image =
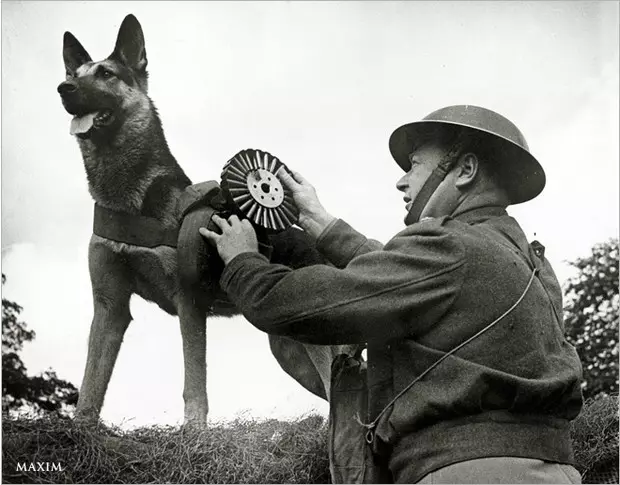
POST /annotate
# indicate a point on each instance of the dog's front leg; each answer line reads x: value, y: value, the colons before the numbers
x: 111, y: 293
x: 106, y: 335
x: 192, y: 317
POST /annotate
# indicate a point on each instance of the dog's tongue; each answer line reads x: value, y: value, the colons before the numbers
x: 82, y: 124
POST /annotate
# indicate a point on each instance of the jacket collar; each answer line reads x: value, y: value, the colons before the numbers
x: 476, y: 215
x: 507, y: 226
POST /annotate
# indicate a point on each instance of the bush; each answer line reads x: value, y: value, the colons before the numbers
x: 592, y: 315
x: 22, y: 393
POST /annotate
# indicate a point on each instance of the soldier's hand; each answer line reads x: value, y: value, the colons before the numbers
x: 313, y: 217
x: 237, y: 237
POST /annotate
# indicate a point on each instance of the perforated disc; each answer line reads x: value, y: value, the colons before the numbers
x: 250, y: 181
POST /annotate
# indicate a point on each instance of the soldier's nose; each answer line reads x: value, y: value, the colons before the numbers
x: 401, y: 185
x: 66, y: 88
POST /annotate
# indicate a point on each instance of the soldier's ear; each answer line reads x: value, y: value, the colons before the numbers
x: 129, y: 47
x: 467, y: 169
x: 73, y: 53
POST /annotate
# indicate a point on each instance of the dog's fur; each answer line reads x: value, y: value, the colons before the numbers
x: 130, y: 169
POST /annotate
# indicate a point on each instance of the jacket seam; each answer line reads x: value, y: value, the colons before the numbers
x: 463, y: 262
x: 233, y: 265
x: 451, y: 268
x: 326, y: 231
x: 355, y: 252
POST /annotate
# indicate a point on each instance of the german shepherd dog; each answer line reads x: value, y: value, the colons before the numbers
x: 130, y: 170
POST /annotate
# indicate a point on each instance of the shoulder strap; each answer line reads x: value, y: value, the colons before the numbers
x: 370, y: 426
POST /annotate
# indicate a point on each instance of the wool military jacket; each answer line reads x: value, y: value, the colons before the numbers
x: 510, y: 392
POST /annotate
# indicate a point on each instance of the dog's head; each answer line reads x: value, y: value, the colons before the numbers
x: 100, y: 95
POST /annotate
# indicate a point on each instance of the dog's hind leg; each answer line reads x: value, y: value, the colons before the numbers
x: 310, y: 365
x: 111, y: 293
x: 192, y: 316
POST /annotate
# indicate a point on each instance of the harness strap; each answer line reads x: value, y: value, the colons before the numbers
x: 133, y: 229
x: 201, y: 195
x: 149, y: 232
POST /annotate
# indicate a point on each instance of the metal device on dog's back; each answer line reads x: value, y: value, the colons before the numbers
x: 131, y: 171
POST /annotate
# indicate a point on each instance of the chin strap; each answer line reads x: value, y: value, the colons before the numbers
x: 431, y: 184
x: 426, y: 193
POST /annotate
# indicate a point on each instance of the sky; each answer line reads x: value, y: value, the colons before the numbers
x: 321, y: 85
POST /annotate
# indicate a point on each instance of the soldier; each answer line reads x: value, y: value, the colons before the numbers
x: 470, y: 378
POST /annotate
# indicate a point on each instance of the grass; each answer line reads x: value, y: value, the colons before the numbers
x: 595, y: 440
x: 242, y: 451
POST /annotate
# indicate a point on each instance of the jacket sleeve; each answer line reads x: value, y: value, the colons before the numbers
x: 381, y: 294
x: 340, y: 243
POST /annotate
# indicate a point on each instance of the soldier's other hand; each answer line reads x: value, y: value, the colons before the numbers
x: 313, y: 217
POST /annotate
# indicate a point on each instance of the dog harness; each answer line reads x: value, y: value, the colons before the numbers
x: 149, y: 232
x: 198, y: 264
x: 197, y: 205
x: 132, y: 229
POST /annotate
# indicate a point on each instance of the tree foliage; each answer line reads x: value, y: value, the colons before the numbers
x: 45, y: 392
x: 591, y: 316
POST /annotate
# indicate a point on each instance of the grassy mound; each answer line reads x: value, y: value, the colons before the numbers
x: 242, y: 451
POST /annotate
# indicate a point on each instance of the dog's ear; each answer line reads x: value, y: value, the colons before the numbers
x: 73, y: 53
x: 129, y: 47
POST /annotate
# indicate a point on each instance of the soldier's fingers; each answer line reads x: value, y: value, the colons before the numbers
x: 300, y: 179
x: 220, y: 222
x: 234, y: 220
x: 288, y: 181
x: 210, y: 236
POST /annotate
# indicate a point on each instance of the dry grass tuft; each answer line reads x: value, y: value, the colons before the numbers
x: 243, y: 451
x: 595, y: 440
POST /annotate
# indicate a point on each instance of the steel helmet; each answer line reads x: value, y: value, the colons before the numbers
x: 522, y: 175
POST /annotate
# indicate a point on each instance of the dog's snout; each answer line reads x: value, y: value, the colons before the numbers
x: 66, y: 87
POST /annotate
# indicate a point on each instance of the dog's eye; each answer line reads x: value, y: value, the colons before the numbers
x: 106, y: 74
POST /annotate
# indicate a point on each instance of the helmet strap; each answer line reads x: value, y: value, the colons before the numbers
x: 434, y: 180
x: 425, y: 194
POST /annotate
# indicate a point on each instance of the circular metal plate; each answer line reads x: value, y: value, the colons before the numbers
x: 266, y: 188
x: 251, y: 184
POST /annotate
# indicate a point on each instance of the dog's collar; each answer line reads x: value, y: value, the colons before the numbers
x: 133, y: 229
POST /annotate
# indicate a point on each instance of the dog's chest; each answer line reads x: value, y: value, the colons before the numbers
x: 152, y: 272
